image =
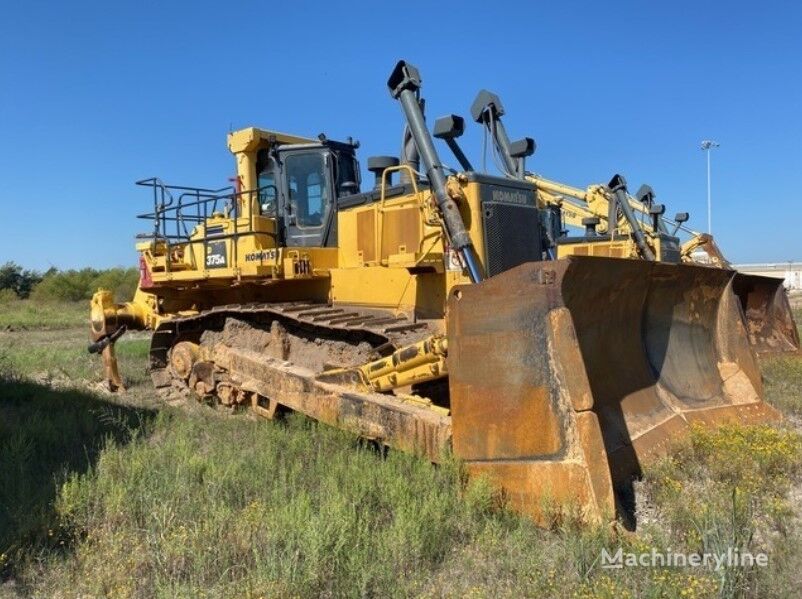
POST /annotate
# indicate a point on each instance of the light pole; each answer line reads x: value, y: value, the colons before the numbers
x: 708, y: 145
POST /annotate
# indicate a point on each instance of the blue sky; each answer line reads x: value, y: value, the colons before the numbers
x: 94, y: 95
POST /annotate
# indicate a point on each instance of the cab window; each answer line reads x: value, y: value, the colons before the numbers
x: 309, y: 196
x: 268, y: 193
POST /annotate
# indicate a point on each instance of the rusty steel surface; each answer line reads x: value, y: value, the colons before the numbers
x: 769, y: 318
x: 566, y: 376
x: 383, y: 418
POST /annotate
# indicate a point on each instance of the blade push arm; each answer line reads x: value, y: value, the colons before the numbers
x: 404, y: 84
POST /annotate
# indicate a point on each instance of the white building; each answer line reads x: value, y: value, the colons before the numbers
x: 790, y: 272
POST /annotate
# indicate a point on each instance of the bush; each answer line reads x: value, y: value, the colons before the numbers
x: 71, y: 285
x: 66, y: 285
x: 122, y: 281
x: 79, y: 285
x: 8, y: 295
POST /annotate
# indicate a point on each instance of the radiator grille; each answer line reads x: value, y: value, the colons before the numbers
x: 512, y: 236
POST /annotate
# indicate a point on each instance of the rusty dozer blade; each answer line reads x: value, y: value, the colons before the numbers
x: 566, y: 376
x: 769, y: 319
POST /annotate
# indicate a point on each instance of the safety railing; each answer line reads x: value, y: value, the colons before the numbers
x: 179, y: 210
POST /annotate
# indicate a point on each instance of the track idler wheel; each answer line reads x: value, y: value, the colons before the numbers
x: 183, y: 357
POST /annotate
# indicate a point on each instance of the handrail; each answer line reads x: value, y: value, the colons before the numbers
x: 177, y: 206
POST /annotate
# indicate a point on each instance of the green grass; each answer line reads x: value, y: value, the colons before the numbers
x: 783, y: 378
x: 111, y: 501
x: 204, y: 506
x: 783, y: 383
x: 62, y: 356
x: 45, y: 436
x: 198, y: 505
x: 41, y: 315
x: 729, y: 487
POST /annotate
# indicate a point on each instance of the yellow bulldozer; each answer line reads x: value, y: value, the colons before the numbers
x: 430, y: 314
x: 639, y: 229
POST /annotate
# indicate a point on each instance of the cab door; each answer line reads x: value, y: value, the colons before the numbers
x: 308, y: 196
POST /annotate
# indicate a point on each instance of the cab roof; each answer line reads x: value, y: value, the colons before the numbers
x: 253, y: 138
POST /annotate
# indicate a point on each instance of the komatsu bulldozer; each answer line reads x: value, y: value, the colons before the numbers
x: 639, y: 230
x: 430, y: 314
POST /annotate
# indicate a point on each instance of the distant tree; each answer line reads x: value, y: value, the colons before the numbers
x: 28, y: 282
x: 10, y: 274
x: 66, y: 285
x: 20, y: 281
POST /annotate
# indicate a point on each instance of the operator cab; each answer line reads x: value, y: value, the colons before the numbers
x: 300, y: 184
